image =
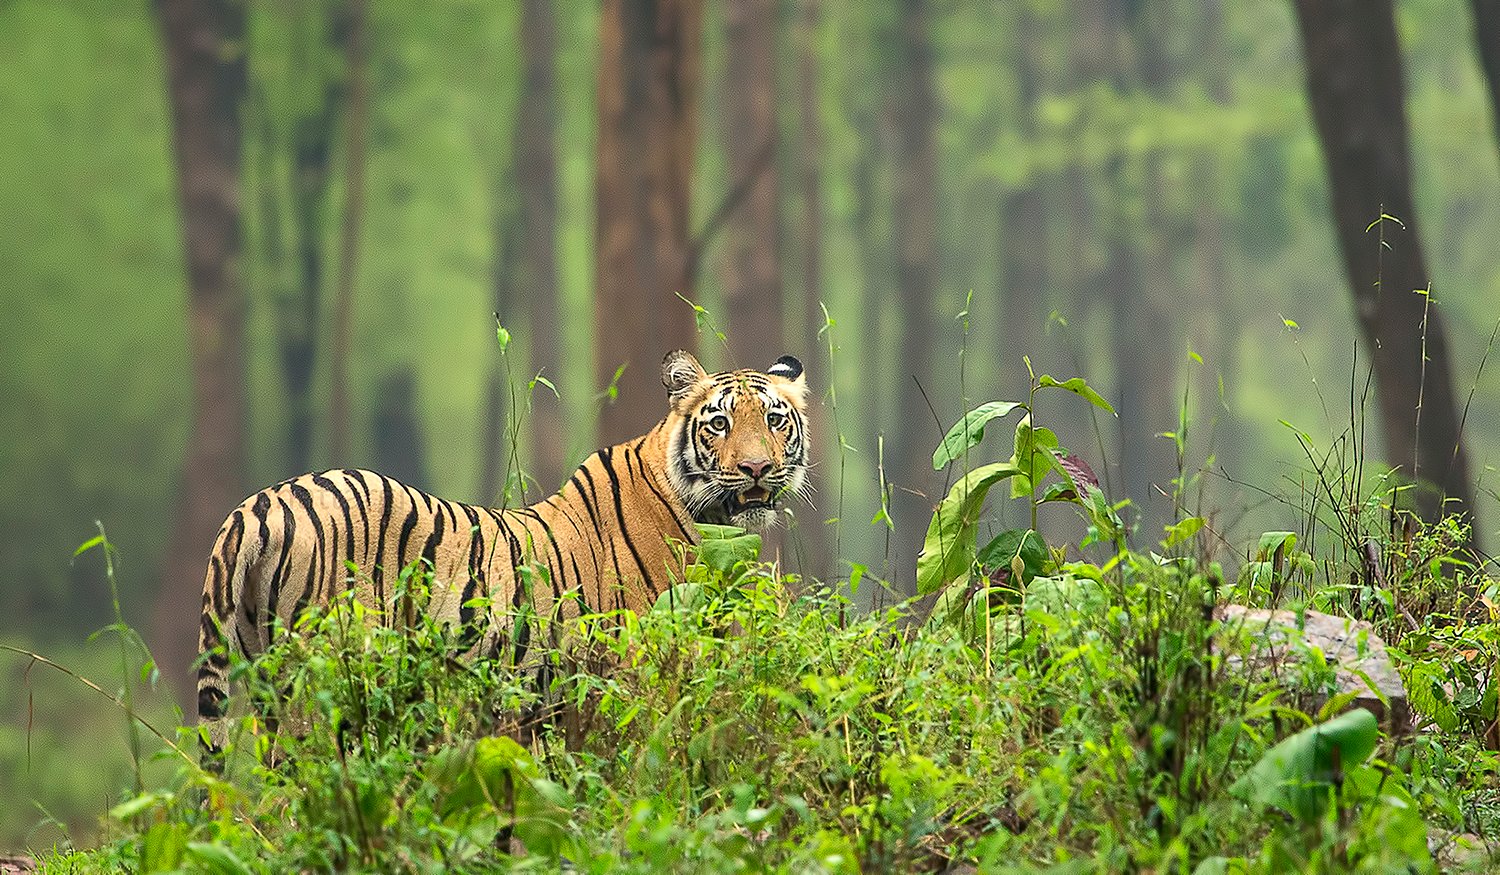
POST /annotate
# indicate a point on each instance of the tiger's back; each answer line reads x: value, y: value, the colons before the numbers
x: 612, y: 538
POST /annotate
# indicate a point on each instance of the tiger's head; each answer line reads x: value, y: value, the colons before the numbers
x: 737, y: 441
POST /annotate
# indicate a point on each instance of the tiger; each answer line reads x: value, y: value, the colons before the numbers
x: 731, y: 448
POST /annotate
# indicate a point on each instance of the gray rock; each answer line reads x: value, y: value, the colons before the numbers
x: 1358, y: 657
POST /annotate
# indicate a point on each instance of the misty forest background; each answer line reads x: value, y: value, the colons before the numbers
x: 240, y: 240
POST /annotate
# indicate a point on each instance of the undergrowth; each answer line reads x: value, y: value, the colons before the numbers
x: 1063, y: 707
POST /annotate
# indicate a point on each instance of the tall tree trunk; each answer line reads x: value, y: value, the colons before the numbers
x: 298, y: 305
x: 1355, y: 87
x: 752, y: 281
x: 812, y: 535
x: 527, y: 272
x: 205, y: 43
x: 1023, y: 240
x: 913, y: 98
x: 356, y: 23
x: 650, y: 55
x: 1487, y: 36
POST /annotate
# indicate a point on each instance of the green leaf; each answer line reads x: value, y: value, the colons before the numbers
x: 1273, y: 542
x: 216, y: 858
x: 502, y: 336
x: 1182, y: 530
x: 1078, y: 387
x: 969, y: 431
x: 548, y: 383
x: 948, y: 549
x: 726, y: 549
x: 88, y: 545
x: 1296, y: 774
x: 139, y: 805
x: 162, y: 846
x: 1007, y: 546
x: 503, y: 777
x: 1033, y: 456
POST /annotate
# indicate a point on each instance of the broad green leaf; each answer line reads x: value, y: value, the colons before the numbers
x: 162, y: 846
x: 216, y: 858
x: 969, y: 431
x: 1296, y: 774
x: 139, y: 805
x: 1006, y: 547
x: 1182, y: 530
x: 682, y: 597
x: 1033, y: 457
x: 726, y: 549
x: 1078, y: 387
x: 1272, y: 542
x: 948, y: 549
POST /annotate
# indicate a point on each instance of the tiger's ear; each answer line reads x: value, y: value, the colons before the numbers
x: 790, y: 369
x: 680, y: 372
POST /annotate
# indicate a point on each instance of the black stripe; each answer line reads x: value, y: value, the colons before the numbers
x: 556, y: 570
x: 590, y: 500
x: 640, y: 464
x: 355, y: 477
x: 315, y: 562
x: 288, y: 533
x: 377, y: 574
x: 407, y: 526
x: 262, y: 512
x: 606, y: 460
x: 348, y: 527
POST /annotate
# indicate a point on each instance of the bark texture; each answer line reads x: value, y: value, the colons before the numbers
x: 350, y: 225
x: 752, y: 276
x: 1355, y: 87
x: 205, y: 60
x: 650, y: 55
x: 526, y: 270
x: 914, y: 113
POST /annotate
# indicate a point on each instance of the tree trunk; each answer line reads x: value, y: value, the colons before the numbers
x: 1355, y: 87
x: 1487, y: 36
x: 752, y: 281
x: 913, y: 99
x: 526, y: 275
x: 1023, y: 240
x: 811, y: 544
x: 204, y: 41
x: 298, y: 305
x: 356, y: 124
x: 648, y: 100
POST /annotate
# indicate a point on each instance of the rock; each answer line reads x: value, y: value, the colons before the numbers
x: 16, y: 865
x: 1459, y: 851
x: 1350, y: 647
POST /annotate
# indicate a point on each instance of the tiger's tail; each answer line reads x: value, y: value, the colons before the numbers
x: 234, y: 551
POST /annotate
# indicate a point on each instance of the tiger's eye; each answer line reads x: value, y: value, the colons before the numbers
x: 719, y: 423
x: 775, y: 420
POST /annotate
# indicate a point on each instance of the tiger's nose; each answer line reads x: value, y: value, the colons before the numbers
x: 756, y: 468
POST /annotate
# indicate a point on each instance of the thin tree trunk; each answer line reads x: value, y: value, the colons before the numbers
x: 812, y: 534
x: 914, y: 160
x: 1355, y: 87
x: 648, y: 106
x: 536, y: 164
x: 298, y: 305
x: 205, y: 59
x: 526, y: 271
x: 1487, y: 36
x: 752, y: 281
x: 356, y: 126
x: 1023, y: 231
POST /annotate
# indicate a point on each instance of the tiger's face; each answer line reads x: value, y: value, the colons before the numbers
x: 737, y: 448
